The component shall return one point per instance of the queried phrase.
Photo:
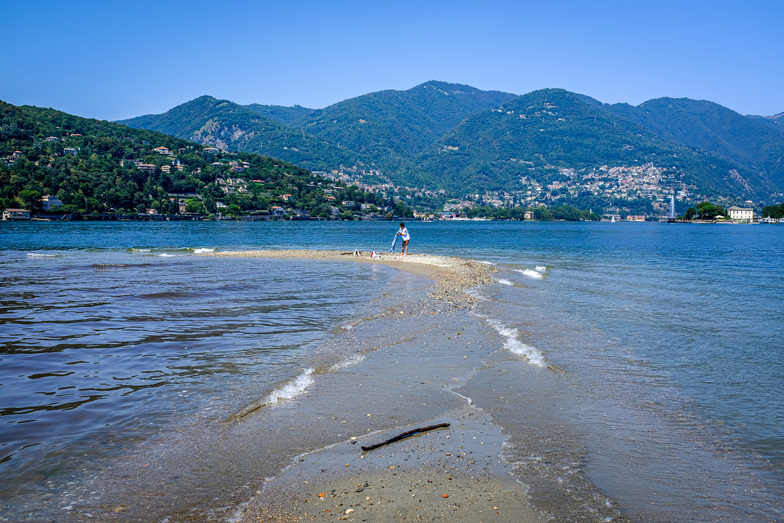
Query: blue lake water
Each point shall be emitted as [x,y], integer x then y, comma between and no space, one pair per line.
[110,332]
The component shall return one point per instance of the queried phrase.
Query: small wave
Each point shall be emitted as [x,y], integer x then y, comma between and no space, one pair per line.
[531,354]
[167,255]
[502,281]
[203,250]
[289,390]
[41,255]
[292,389]
[541,268]
[141,250]
[350,362]
[530,273]
[484,262]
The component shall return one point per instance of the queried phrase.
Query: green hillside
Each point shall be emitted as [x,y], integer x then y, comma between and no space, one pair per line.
[546,147]
[537,135]
[383,130]
[401,123]
[97,168]
[707,126]
[233,127]
[280,113]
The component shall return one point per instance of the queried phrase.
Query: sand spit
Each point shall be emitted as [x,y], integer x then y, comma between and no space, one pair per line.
[452,276]
[453,474]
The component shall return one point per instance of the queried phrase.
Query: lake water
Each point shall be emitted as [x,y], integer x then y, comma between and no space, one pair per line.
[650,354]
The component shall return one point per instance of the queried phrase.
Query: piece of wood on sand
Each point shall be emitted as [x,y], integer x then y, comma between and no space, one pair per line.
[406,435]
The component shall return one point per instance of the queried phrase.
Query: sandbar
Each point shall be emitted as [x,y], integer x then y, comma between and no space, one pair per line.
[452,276]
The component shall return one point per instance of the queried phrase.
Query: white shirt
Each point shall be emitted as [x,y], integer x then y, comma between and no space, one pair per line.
[404,233]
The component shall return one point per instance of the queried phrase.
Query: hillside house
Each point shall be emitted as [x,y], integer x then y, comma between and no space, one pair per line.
[50,203]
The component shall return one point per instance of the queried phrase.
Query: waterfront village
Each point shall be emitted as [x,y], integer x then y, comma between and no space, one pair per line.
[647,182]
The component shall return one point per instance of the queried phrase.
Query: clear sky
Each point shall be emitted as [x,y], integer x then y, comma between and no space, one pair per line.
[118,59]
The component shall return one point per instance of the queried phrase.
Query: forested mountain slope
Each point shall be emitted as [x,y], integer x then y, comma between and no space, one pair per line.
[448,136]
[232,127]
[539,134]
[709,127]
[102,168]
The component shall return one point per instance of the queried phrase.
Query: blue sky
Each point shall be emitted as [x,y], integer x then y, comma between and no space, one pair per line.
[114,60]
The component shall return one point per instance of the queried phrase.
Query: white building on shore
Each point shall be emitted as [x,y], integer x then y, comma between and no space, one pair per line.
[741,214]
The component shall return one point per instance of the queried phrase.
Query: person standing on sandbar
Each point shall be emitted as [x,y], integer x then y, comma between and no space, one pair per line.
[403,233]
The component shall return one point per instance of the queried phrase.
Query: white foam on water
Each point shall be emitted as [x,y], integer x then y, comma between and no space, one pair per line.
[530,273]
[141,250]
[291,389]
[41,255]
[167,255]
[350,362]
[531,354]
[502,281]
[203,250]
[541,268]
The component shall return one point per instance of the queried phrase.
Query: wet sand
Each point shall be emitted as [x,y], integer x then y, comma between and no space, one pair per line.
[449,474]
[452,276]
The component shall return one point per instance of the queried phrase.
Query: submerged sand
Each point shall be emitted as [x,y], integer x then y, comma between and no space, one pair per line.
[452,276]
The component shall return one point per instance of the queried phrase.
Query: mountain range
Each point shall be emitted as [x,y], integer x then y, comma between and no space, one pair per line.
[485,146]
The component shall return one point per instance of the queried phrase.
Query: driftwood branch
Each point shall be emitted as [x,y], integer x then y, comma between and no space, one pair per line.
[406,435]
